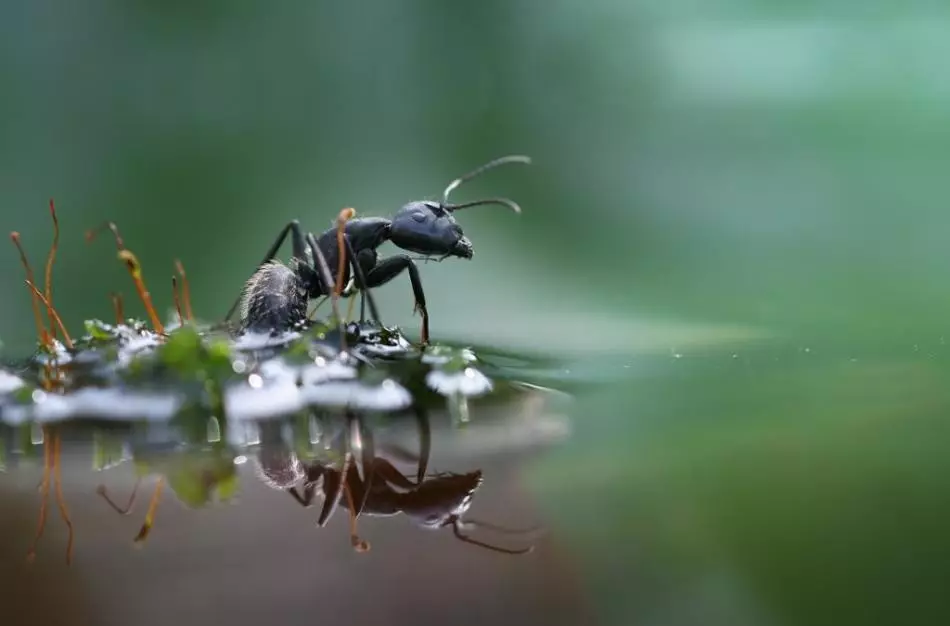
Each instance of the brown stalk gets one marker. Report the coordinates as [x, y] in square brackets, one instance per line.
[135, 270]
[53, 314]
[345, 215]
[50, 259]
[40, 327]
[181, 322]
[186, 290]
[359, 544]
[44, 489]
[117, 307]
[60, 500]
[150, 516]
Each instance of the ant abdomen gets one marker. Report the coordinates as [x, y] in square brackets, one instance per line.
[274, 297]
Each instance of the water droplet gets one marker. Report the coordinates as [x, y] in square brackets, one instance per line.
[240, 459]
[239, 366]
[36, 434]
[214, 430]
[458, 408]
[38, 395]
[255, 381]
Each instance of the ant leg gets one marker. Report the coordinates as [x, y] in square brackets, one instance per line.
[300, 252]
[365, 260]
[388, 269]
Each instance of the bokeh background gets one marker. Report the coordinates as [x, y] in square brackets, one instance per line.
[736, 225]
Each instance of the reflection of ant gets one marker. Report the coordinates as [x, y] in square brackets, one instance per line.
[383, 490]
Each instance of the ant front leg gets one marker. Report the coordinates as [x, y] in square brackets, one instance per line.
[390, 268]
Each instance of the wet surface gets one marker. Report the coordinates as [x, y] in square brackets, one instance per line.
[278, 477]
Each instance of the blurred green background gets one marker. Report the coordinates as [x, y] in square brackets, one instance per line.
[706, 175]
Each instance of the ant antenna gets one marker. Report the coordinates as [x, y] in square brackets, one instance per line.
[495, 163]
[511, 204]
[457, 531]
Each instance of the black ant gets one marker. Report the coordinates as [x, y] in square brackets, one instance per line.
[435, 502]
[276, 296]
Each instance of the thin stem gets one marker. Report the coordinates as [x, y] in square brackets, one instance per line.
[181, 322]
[60, 500]
[55, 316]
[186, 290]
[341, 220]
[135, 269]
[358, 544]
[150, 516]
[40, 327]
[50, 259]
[44, 489]
[117, 307]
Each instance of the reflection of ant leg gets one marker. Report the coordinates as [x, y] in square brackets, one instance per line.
[392, 475]
[101, 490]
[314, 473]
[307, 499]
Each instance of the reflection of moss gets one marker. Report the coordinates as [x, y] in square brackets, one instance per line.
[196, 476]
[106, 450]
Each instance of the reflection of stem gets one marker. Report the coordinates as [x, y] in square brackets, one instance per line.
[101, 490]
[358, 544]
[150, 516]
[41, 524]
[60, 500]
[349, 310]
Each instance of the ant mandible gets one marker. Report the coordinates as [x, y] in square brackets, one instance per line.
[276, 296]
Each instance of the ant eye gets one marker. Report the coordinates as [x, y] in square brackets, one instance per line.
[419, 216]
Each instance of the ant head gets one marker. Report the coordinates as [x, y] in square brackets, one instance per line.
[430, 229]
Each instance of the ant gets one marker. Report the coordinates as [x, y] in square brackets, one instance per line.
[276, 296]
[438, 501]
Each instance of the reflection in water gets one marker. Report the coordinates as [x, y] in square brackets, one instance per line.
[342, 465]
[190, 407]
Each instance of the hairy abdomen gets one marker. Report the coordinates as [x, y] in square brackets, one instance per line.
[274, 299]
